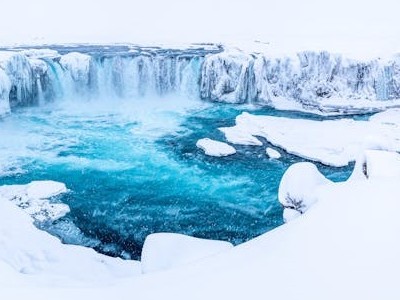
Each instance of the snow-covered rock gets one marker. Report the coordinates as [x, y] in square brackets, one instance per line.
[215, 148]
[272, 153]
[34, 199]
[163, 251]
[298, 186]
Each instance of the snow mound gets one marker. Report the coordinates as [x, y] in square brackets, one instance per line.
[297, 188]
[272, 153]
[163, 251]
[215, 148]
[34, 197]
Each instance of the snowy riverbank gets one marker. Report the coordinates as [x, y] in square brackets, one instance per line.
[344, 246]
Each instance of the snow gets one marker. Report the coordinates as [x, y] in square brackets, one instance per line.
[346, 246]
[163, 251]
[298, 187]
[290, 214]
[34, 197]
[272, 153]
[376, 163]
[332, 142]
[309, 24]
[215, 148]
[27, 250]
[40, 53]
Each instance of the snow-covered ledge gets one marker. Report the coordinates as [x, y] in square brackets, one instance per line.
[331, 142]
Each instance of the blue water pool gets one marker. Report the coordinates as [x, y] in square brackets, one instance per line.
[132, 168]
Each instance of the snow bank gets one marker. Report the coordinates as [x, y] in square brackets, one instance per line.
[34, 197]
[376, 164]
[345, 247]
[163, 251]
[297, 189]
[332, 142]
[27, 250]
[215, 148]
[272, 153]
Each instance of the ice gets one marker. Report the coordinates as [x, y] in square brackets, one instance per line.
[215, 148]
[163, 251]
[5, 87]
[77, 67]
[19, 71]
[317, 81]
[34, 197]
[226, 77]
[297, 189]
[305, 80]
[272, 153]
[332, 142]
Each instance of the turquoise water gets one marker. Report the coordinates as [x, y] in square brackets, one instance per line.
[132, 168]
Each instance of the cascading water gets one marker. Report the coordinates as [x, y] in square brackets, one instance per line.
[210, 73]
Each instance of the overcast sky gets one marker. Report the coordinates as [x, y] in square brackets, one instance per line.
[196, 21]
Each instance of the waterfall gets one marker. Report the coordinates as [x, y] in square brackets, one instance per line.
[308, 78]
[40, 95]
